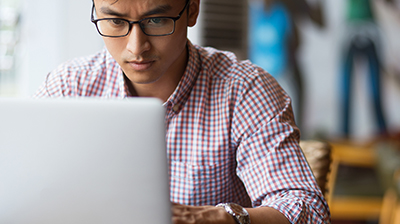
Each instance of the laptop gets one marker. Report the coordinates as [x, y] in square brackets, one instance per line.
[83, 161]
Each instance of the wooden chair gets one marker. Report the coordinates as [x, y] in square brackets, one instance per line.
[388, 165]
[318, 155]
[352, 207]
[390, 212]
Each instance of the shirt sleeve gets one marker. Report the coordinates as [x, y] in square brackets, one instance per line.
[270, 162]
[52, 87]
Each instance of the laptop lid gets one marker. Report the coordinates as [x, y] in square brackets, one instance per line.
[83, 161]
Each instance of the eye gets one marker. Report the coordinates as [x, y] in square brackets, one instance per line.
[155, 21]
[117, 22]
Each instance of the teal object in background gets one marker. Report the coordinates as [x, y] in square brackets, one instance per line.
[359, 10]
[268, 33]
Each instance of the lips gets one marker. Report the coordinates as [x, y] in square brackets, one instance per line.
[140, 65]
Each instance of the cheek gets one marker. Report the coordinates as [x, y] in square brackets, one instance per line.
[114, 47]
[177, 41]
[168, 45]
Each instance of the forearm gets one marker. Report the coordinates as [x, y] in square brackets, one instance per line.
[266, 215]
[183, 214]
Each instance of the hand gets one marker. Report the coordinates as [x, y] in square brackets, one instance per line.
[184, 214]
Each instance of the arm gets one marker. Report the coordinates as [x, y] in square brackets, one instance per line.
[183, 214]
[270, 163]
[266, 215]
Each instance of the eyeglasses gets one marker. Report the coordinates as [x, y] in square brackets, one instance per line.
[153, 26]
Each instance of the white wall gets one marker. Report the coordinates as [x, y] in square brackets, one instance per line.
[52, 32]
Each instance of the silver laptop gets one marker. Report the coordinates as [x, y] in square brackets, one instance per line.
[81, 161]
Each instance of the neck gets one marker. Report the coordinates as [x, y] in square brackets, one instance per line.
[159, 89]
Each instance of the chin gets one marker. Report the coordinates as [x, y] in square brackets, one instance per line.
[145, 81]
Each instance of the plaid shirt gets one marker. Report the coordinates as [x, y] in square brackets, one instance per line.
[231, 135]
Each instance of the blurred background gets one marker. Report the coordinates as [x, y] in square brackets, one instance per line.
[338, 59]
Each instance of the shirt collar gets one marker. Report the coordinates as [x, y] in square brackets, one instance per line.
[179, 97]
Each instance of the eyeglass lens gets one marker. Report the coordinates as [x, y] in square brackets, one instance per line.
[150, 26]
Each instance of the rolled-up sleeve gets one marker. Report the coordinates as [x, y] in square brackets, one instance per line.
[269, 160]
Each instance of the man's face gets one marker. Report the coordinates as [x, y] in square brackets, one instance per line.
[148, 59]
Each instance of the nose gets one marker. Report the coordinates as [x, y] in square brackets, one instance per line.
[138, 42]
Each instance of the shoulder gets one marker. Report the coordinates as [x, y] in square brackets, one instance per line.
[244, 82]
[83, 76]
[226, 65]
[92, 64]
[241, 75]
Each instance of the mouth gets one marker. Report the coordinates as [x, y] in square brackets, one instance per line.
[141, 65]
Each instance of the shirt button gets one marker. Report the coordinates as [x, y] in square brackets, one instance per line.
[175, 107]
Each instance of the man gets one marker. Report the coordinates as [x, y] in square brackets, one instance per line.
[231, 136]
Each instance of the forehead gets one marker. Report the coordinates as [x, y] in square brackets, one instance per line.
[137, 8]
[130, 3]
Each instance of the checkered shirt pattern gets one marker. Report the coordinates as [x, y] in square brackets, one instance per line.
[231, 135]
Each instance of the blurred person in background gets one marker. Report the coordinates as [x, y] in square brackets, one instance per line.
[274, 40]
[362, 41]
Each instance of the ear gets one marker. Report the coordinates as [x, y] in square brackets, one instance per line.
[194, 8]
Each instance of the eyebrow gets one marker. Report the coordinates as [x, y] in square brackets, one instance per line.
[158, 10]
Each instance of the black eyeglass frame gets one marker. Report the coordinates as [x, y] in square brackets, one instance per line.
[131, 23]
